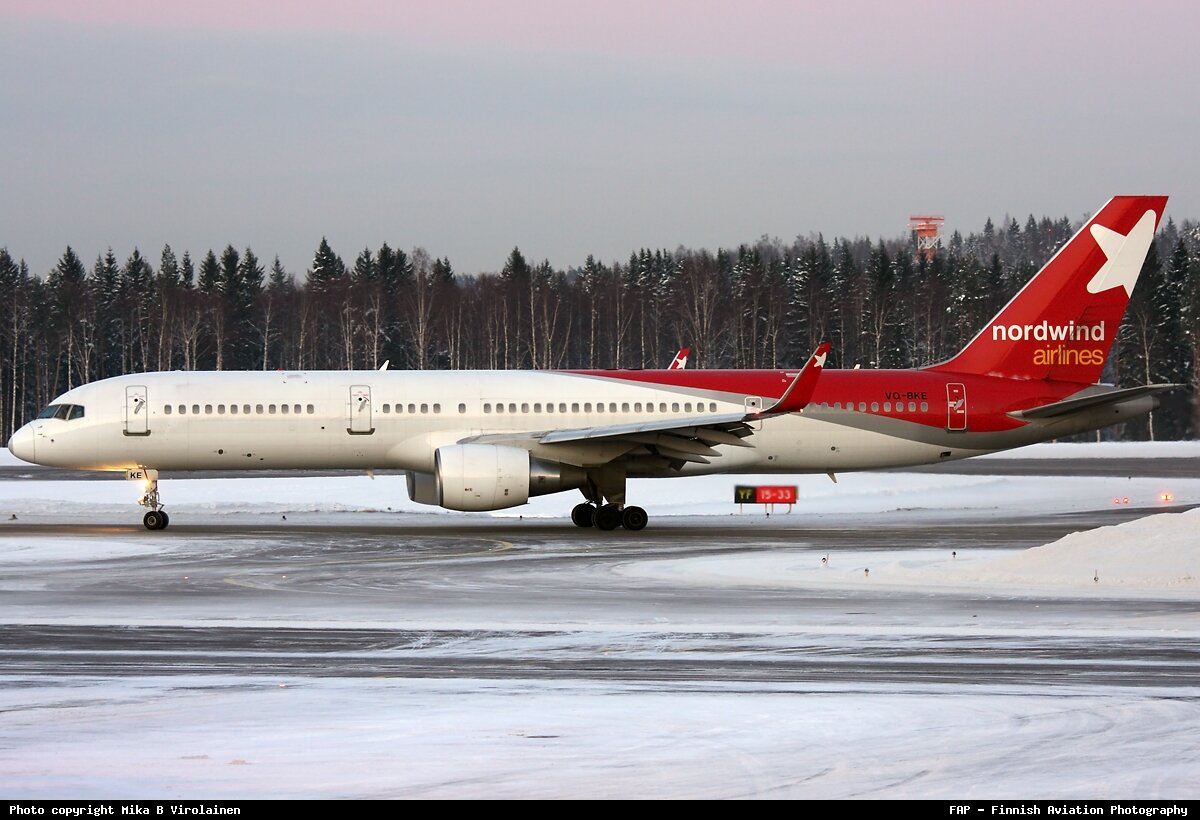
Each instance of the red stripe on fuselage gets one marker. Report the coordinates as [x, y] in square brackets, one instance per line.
[989, 399]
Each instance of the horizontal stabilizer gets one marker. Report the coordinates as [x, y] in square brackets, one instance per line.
[1093, 400]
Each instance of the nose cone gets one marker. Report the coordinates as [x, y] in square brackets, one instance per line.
[21, 444]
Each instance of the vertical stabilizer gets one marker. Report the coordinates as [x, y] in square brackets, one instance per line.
[1062, 324]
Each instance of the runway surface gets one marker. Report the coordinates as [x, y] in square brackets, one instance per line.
[110, 633]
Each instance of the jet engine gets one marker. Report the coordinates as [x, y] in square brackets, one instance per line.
[478, 477]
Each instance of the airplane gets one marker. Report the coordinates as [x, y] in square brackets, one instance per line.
[488, 440]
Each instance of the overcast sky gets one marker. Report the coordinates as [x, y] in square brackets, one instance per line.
[576, 128]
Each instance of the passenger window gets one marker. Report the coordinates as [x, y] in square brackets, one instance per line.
[525, 407]
[649, 407]
[233, 408]
[512, 407]
[574, 407]
[412, 408]
[487, 407]
[246, 409]
[924, 407]
[562, 407]
[167, 409]
[637, 407]
[687, 408]
[283, 408]
[220, 409]
[674, 407]
[912, 407]
[712, 406]
[624, 407]
[182, 409]
[600, 407]
[874, 407]
[296, 409]
[587, 407]
[549, 407]
[195, 409]
[462, 408]
[271, 409]
[258, 408]
[387, 408]
[862, 407]
[437, 408]
[537, 407]
[662, 407]
[424, 408]
[208, 409]
[887, 407]
[310, 409]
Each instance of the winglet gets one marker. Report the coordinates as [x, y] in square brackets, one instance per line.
[800, 391]
[680, 361]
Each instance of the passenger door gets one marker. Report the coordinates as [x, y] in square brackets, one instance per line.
[956, 406]
[137, 411]
[360, 411]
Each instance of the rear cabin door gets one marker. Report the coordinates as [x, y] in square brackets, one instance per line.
[360, 411]
[956, 406]
[137, 412]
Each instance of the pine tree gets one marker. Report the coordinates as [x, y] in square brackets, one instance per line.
[327, 268]
[210, 274]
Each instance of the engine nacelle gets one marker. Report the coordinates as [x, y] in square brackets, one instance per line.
[478, 477]
[475, 477]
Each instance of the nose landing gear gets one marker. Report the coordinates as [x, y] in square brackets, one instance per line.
[157, 518]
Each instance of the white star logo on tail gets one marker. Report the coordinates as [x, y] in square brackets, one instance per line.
[819, 359]
[1125, 255]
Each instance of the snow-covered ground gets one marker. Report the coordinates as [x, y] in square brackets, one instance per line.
[1158, 552]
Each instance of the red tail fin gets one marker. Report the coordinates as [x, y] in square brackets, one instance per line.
[1062, 324]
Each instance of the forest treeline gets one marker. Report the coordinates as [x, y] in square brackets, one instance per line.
[762, 304]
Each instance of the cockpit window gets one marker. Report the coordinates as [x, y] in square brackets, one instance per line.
[66, 412]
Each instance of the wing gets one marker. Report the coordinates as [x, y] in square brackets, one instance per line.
[659, 444]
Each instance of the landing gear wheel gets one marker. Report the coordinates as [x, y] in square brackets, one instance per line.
[634, 518]
[584, 515]
[156, 520]
[608, 517]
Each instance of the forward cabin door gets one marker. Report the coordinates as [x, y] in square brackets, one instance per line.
[137, 411]
[360, 410]
[956, 407]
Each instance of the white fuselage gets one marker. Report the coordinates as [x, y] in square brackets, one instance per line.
[397, 419]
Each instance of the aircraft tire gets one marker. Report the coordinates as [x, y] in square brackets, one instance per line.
[584, 515]
[634, 518]
[155, 520]
[608, 517]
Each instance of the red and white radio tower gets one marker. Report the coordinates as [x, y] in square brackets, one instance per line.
[928, 228]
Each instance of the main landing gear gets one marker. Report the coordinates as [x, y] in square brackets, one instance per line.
[605, 506]
[609, 516]
[157, 518]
